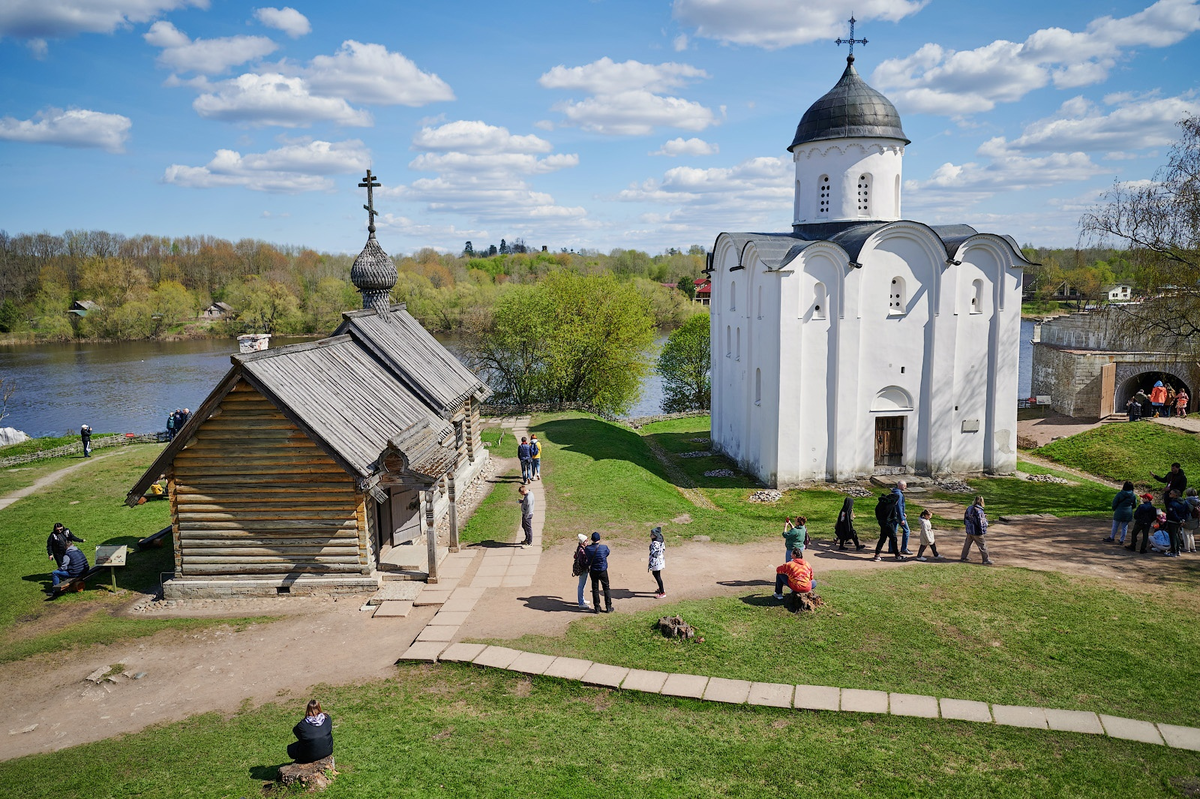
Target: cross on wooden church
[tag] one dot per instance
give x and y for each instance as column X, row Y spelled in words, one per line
column 851, row 41
column 369, row 183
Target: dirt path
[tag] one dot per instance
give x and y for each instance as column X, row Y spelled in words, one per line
column 48, row 479
column 679, row 478
column 1049, row 464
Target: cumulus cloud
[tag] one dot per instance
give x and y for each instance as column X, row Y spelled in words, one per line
column 286, row 19
column 680, row 42
column 205, row 56
column 296, row 167
column 57, row 19
column 772, row 24
column 954, row 83
column 682, row 146
column 274, row 99
column 626, row 97
column 477, row 137
column 76, row 127
column 1133, row 123
column 370, row 73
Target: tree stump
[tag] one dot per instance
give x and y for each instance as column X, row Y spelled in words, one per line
column 676, row 627
column 311, row 776
column 799, row 603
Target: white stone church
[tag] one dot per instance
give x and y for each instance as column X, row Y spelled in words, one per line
column 859, row 342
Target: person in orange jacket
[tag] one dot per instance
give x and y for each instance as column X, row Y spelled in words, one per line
column 797, row 573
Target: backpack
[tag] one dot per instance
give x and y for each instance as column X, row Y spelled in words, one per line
column 581, row 562
column 887, row 510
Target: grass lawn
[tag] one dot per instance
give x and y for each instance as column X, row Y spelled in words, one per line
column 16, row 477
column 1127, row 451
column 90, row 502
column 46, row 442
column 454, row 730
column 995, row 635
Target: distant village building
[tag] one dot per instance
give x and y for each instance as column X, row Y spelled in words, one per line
column 859, row 342
column 1121, row 292
column 321, row 467
column 703, row 291
column 82, row 308
column 217, row 312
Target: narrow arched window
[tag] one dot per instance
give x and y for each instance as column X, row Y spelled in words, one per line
column 820, row 299
column 728, row 342
column 896, row 210
column 760, row 302
column 977, row 296
column 897, row 301
column 737, row 353
column 823, row 191
column 733, row 295
column 758, row 386
column 864, row 195
column 796, row 205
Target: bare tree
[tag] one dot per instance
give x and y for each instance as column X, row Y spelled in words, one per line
column 8, row 387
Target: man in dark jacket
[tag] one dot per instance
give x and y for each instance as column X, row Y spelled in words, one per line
column 597, row 555
column 85, row 433
column 58, row 541
column 525, row 456
column 1175, row 481
column 887, row 513
column 74, row 564
column 1178, row 511
column 1143, row 517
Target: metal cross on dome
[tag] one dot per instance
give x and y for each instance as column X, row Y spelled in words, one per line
column 851, row 41
column 370, row 182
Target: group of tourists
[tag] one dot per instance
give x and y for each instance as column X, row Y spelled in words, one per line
column 529, row 453
column 176, row 420
column 591, row 560
column 1170, row 530
column 1163, row 400
column 69, row 560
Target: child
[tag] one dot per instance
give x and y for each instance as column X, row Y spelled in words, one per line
column 927, row 537
column 794, row 535
column 658, row 560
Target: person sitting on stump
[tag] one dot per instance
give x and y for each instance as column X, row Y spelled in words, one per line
column 74, row 564
column 314, row 736
column 797, row 573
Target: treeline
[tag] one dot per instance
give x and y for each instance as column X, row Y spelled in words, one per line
column 154, row 286
column 1077, row 274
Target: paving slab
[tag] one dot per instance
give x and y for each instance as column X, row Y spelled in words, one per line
column 456, row 605
column 1131, row 729
column 426, row 651
column 517, row 582
column 686, row 685
column 966, row 710
column 490, row 568
column 817, row 697
column 397, row 590
column 392, row 609
column 496, row 657
column 732, row 692
column 605, row 675
column 487, row 581
column 522, row 570
column 771, row 694
column 650, row 682
column 461, row 653
column 531, row 663
column 497, row 553
column 527, row 558
column 449, row 618
column 1020, row 716
column 568, row 668
column 1180, row 737
column 857, row 700
column 431, row 598
column 444, row 634
column 923, row 707
column 1074, row 721
column 468, row 592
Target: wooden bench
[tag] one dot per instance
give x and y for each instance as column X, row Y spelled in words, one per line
column 74, row 585
column 157, row 540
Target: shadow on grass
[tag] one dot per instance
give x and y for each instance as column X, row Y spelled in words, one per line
column 267, row 773
column 744, row 583
column 760, row 601
column 602, row 441
column 676, row 444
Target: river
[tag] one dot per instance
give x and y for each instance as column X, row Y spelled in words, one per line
column 132, row 386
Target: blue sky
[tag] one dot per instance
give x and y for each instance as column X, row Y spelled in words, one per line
column 568, row 123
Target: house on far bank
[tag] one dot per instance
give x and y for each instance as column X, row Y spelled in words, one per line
column 217, row 312
column 703, row 290
column 1120, row 292
column 82, row 308
column 325, row 467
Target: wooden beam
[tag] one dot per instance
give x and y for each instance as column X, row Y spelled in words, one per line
column 453, row 494
column 431, row 538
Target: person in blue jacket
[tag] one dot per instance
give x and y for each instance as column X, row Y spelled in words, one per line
column 597, row 555
column 74, row 564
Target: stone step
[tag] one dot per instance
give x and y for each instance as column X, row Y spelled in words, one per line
column 392, row 609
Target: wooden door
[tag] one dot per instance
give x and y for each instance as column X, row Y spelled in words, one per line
column 1108, row 389
column 889, row 440
column 406, row 515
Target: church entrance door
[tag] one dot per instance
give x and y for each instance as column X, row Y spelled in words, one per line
column 889, row 441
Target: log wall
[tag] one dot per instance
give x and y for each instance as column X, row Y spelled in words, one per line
column 252, row 495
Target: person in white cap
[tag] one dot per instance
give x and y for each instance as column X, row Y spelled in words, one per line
column 580, row 569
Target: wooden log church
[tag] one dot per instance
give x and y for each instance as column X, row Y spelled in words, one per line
column 321, row 467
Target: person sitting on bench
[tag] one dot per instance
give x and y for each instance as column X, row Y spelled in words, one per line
column 314, row 736
column 74, row 564
column 797, row 573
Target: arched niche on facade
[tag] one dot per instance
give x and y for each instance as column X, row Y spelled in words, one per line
column 892, row 399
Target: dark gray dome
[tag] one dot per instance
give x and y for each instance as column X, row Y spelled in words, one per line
column 850, row 110
column 373, row 270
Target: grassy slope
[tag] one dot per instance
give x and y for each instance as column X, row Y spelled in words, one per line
column 1127, row 451
column 16, row 477
column 455, row 730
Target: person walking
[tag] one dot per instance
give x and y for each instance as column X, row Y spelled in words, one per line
column 976, row 523
column 1143, row 519
column 1134, row 408
column 525, row 456
column 1158, row 396
column 843, row 528
column 57, row 542
column 658, row 560
column 927, row 537
column 526, row 503
column 597, row 555
column 580, row 569
column 1123, row 505
column 535, row 454
column 795, row 535
column 1175, row 480
column 1181, row 403
column 1177, row 512
column 85, row 434
column 74, row 564
column 902, row 530
column 888, row 516
column 1169, row 404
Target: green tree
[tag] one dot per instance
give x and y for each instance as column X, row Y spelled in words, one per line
column 264, row 306
column 684, row 366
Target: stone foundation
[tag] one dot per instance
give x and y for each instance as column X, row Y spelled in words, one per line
column 303, row 585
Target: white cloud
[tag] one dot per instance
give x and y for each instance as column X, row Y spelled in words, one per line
column 1134, row 123
column 781, row 23
column 626, row 99
column 680, row 43
column 937, row 80
column 295, row 167
column 286, row 19
column 205, row 56
column 681, row 146
column 369, row 73
column 56, row 19
column 274, row 99
column 76, row 127
column 479, row 137
column 38, row 48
